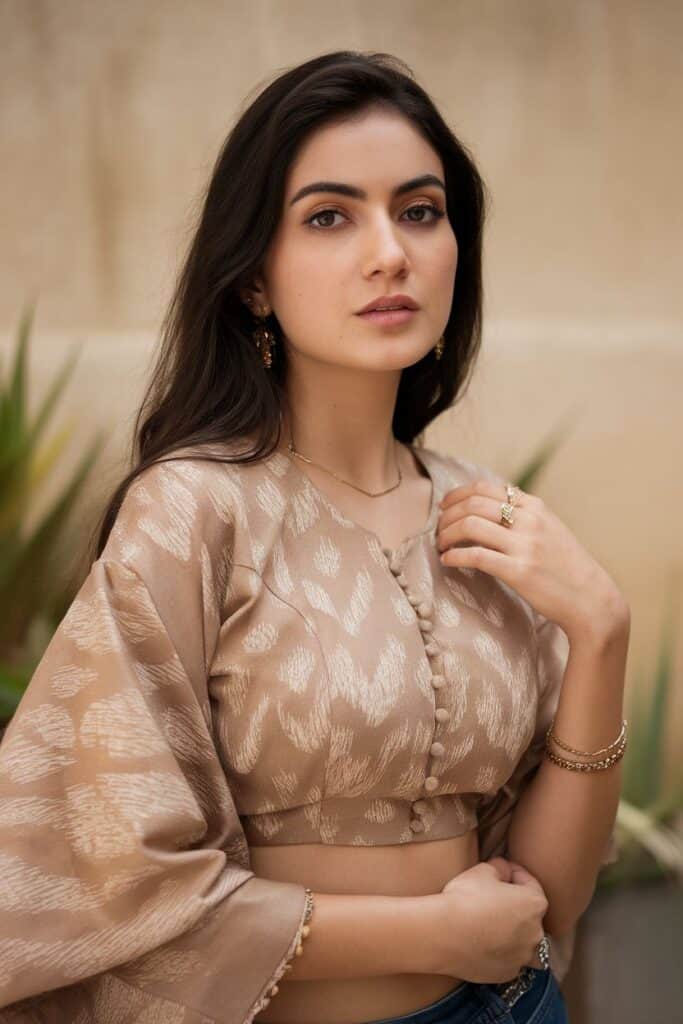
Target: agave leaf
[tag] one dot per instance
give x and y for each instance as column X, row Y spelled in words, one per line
column 13, row 683
column 15, row 503
column 51, row 398
column 17, row 587
column 669, row 803
column 526, row 477
column 49, row 453
column 662, row 842
column 635, row 786
column 15, row 410
column 655, row 721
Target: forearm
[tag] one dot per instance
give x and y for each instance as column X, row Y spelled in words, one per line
column 561, row 826
column 358, row 936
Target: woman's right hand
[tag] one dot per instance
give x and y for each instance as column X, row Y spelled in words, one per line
column 490, row 928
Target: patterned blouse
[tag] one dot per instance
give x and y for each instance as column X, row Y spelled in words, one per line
column 244, row 665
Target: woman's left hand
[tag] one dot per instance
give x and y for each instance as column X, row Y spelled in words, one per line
column 538, row 556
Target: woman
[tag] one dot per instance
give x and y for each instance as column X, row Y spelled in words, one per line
column 313, row 667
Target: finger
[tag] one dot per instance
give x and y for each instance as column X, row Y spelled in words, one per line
column 502, row 867
column 474, row 529
column 521, row 874
column 476, row 504
column 462, row 491
column 493, row 562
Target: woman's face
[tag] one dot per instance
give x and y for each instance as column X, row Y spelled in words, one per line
column 333, row 253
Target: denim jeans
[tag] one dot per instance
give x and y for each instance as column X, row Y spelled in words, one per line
column 533, row 998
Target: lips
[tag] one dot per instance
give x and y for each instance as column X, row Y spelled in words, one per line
column 390, row 302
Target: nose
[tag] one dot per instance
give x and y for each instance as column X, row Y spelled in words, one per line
column 384, row 249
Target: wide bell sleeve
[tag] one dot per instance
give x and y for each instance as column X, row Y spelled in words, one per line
column 126, row 892
column 495, row 812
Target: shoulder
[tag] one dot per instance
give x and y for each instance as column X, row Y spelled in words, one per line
column 186, row 507
column 457, row 469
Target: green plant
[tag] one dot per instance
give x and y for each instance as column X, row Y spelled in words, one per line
column 32, row 598
column 649, row 844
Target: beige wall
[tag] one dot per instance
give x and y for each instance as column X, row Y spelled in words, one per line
column 112, row 114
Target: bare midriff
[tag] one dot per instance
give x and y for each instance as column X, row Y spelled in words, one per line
column 400, row 870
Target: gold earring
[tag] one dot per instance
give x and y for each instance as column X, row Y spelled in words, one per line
column 264, row 339
column 438, row 348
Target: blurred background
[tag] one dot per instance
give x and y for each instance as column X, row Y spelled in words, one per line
column 112, row 115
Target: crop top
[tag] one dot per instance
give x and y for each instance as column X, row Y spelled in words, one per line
column 244, row 665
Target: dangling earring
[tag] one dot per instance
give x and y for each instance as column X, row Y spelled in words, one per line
column 438, row 348
column 264, row 339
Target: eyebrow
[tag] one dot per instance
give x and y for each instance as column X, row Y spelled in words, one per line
column 359, row 193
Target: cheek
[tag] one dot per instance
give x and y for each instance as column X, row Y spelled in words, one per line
column 305, row 290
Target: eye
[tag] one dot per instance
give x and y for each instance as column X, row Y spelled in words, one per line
column 432, row 208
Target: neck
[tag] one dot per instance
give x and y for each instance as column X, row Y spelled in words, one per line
column 345, row 432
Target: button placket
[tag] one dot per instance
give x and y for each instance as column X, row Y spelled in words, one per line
column 423, row 612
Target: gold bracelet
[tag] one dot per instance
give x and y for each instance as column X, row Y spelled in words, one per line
column 305, row 932
column 587, row 753
column 587, row 766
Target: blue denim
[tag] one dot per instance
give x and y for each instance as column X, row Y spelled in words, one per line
column 535, row 998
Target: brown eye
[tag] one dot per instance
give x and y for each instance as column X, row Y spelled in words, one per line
column 426, row 206
column 437, row 214
column 321, row 213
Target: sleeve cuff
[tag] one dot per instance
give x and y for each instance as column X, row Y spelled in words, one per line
column 226, row 965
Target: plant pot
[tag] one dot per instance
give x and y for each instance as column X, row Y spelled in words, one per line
column 626, row 967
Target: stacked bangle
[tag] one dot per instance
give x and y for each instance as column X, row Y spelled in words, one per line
column 614, row 752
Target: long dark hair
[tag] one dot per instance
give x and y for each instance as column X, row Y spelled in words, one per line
column 209, row 384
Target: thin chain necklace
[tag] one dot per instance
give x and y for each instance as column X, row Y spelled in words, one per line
column 371, row 494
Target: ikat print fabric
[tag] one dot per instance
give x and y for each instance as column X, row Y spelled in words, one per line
column 245, row 665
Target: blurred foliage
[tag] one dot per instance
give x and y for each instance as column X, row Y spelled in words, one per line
column 33, row 600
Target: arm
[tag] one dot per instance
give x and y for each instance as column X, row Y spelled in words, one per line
column 496, row 813
column 362, row 936
column 563, row 822
column 126, row 881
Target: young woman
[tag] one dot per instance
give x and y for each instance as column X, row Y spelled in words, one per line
column 271, row 758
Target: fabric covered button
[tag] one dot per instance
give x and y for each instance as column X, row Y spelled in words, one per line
column 414, row 600
column 424, row 608
column 420, row 806
column 437, row 749
column 431, row 647
column 402, row 579
column 426, row 625
column 442, row 714
column 431, row 782
column 395, row 566
column 417, row 825
column 438, row 681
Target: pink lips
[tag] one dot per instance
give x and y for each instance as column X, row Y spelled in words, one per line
column 388, row 316
column 383, row 301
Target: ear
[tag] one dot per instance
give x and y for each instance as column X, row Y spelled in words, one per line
column 255, row 297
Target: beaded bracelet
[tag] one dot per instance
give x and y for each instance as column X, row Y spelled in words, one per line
column 305, row 932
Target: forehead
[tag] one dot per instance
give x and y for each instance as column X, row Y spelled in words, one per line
column 374, row 149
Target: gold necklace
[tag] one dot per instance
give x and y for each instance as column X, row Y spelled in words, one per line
column 371, row 494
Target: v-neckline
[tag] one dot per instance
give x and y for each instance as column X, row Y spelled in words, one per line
column 432, row 516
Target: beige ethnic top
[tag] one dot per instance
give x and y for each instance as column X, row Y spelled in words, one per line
column 245, row 665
